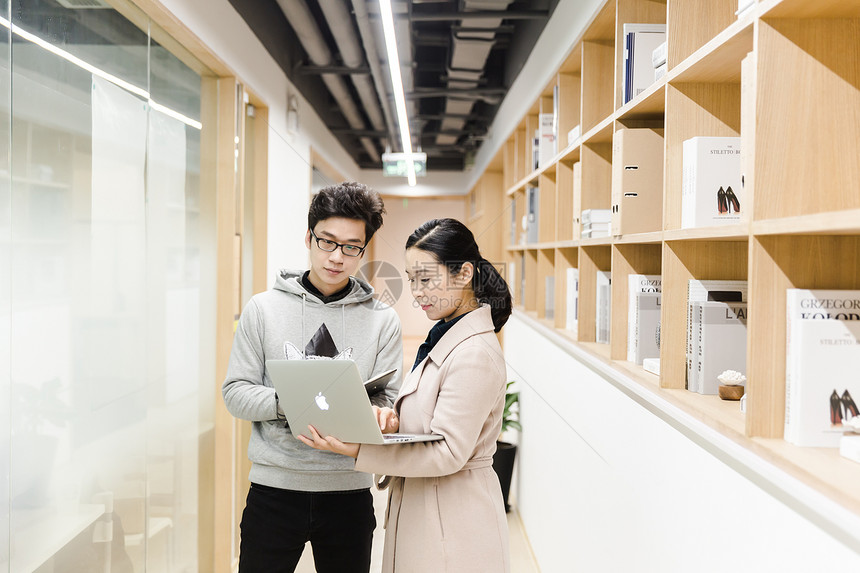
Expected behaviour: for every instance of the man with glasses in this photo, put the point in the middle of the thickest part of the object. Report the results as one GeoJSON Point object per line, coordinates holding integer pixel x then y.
{"type": "Point", "coordinates": [299, 494]}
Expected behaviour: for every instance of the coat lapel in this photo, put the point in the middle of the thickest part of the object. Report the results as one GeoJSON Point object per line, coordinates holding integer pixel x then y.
{"type": "Point", "coordinates": [476, 322]}
{"type": "Point", "coordinates": [410, 384]}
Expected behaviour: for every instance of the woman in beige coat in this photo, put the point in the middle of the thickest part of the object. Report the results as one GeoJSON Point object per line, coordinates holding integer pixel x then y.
{"type": "Point", "coordinates": [445, 510]}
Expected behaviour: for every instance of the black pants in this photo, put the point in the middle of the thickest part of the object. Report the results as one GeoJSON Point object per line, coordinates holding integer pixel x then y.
{"type": "Point", "coordinates": [277, 523]}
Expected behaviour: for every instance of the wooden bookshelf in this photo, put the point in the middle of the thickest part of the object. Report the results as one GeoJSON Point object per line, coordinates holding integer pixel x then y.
{"type": "Point", "coordinates": [785, 78]}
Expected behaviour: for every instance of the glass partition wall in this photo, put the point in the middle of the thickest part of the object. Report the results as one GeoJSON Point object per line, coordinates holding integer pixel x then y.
{"type": "Point", "coordinates": [106, 308]}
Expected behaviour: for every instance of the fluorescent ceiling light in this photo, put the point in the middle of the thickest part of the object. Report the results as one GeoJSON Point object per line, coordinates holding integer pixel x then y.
{"type": "Point", "coordinates": [100, 73]}
{"type": "Point", "coordinates": [397, 86]}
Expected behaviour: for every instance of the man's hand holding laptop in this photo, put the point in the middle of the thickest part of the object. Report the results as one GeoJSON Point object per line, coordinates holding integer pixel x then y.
{"type": "Point", "coordinates": [388, 422]}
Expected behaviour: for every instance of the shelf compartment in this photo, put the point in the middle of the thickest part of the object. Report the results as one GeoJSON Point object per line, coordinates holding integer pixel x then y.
{"type": "Point", "coordinates": [530, 179]}
{"type": "Point", "coordinates": [509, 177]}
{"type": "Point", "coordinates": [521, 146]}
{"type": "Point", "coordinates": [547, 211]}
{"type": "Point", "coordinates": [596, 164]}
{"type": "Point", "coordinates": [530, 264]}
{"type": "Point", "coordinates": [600, 133]}
{"type": "Point", "coordinates": [516, 205]}
{"type": "Point", "coordinates": [694, 109]}
{"type": "Point", "coordinates": [650, 105]}
{"type": "Point", "coordinates": [632, 12]}
{"type": "Point", "coordinates": [598, 59]}
{"type": "Point", "coordinates": [640, 238]}
{"type": "Point", "coordinates": [807, 122]}
{"type": "Point", "coordinates": [596, 242]}
{"type": "Point", "coordinates": [626, 260]}
{"type": "Point", "coordinates": [591, 260]}
{"type": "Point", "coordinates": [532, 124]}
{"type": "Point", "coordinates": [719, 60]}
{"type": "Point", "coordinates": [564, 202]}
{"type": "Point", "coordinates": [807, 9]}
{"type": "Point", "coordinates": [777, 263]}
{"type": "Point", "coordinates": [545, 270]}
{"type": "Point", "coordinates": [830, 223]}
{"type": "Point", "coordinates": [491, 224]}
{"type": "Point", "coordinates": [570, 154]}
{"type": "Point", "coordinates": [565, 258]}
{"type": "Point", "coordinates": [690, 24]}
{"type": "Point", "coordinates": [682, 261]}
{"type": "Point", "coordinates": [569, 80]}
{"type": "Point", "coordinates": [720, 233]}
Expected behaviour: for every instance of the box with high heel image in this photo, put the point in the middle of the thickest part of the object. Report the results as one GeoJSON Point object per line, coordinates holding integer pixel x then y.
{"type": "Point", "coordinates": [711, 192]}
{"type": "Point", "coordinates": [822, 368]}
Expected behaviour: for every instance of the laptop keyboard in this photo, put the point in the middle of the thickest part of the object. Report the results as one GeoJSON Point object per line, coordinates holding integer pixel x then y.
{"type": "Point", "coordinates": [397, 437]}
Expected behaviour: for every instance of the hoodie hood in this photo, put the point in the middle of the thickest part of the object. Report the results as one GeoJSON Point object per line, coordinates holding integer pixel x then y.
{"type": "Point", "coordinates": [290, 281]}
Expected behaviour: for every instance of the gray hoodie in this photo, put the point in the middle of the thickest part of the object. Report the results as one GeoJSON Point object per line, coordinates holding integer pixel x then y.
{"type": "Point", "coordinates": [290, 313]}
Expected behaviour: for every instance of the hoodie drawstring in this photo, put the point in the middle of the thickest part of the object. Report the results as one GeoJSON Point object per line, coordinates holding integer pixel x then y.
{"type": "Point", "coordinates": [304, 300]}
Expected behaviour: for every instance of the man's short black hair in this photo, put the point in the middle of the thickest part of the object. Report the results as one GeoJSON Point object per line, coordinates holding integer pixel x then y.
{"type": "Point", "coordinates": [349, 200]}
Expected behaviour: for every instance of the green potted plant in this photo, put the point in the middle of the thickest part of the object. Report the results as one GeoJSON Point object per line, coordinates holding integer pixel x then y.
{"type": "Point", "coordinates": [506, 452]}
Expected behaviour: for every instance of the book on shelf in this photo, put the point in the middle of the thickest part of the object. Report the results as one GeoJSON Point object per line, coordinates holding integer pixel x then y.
{"type": "Point", "coordinates": [577, 194]}
{"type": "Point", "coordinates": [702, 291]}
{"type": "Point", "coordinates": [603, 306]}
{"type": "Point", "coordinates": [849, 447]}
{"type": "Point", "coordinates": [660, 55]}
{"type": "Point", "coordinates": [596, 223]}
{"type": "Point", "coordinates": [572, 308]}
{"type": "Point", "coordinates": [711, 189]}
{"type": "Point", "coordinates": [640, 40]}
{"type": "Point", "coordinates": [546, 147]}
{"type": "Point", "coordinates": [513, 222]}
{"type": "Point", "coordinates": [720, 342]}
{"type": "Point", "coordinates": [590, 216]}
{"type": "Point", "coordinates": [646, 332]}
{"type": "Point", "coordinates": [652, 365]}
{"type": "Point", "coordinates": [660, 71]}
{"type": "Point", "coordinates": [588, 233]}
{"type": "Point", "coordinates": [549, 298]}
{"type": "Point", "coordinates": [822, 352]}
{"type": "Point", "coordinates": [643, 317]}
{"type": "Point", "coordinates": [555, 134]}
{"type": "Point", "coordinates": [536, 150]}
{"type": "Point", "coordinates": [532, 214]}
{"type": "Point", "coordinates": [637, 181]}
{"type": "Point", "coordinates": [522, 278]}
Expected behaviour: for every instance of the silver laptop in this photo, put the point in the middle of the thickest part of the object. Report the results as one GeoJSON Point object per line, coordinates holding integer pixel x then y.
{"type": "Point", "coordinates": [330, 396]}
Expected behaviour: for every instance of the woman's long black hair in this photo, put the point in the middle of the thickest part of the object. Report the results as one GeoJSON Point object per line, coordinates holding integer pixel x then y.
{"type": "Point", "coordinates": [453, 244]}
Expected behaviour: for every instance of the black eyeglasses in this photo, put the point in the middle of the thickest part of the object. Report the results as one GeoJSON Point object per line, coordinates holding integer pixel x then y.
{"type": "Point", "coordinates": [331, 246]}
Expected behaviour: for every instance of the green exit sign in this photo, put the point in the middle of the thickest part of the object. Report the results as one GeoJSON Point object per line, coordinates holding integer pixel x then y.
{"type": "Point", "coordinates": [394, 164]}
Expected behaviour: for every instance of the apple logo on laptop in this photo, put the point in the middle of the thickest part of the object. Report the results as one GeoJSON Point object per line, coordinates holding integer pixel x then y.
{"type": "Point", "coordinates": [321, 402]}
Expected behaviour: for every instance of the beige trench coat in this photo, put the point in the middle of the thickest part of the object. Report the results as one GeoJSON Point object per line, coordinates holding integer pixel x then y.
{"type": "Point", "coordinates": [445, 512]}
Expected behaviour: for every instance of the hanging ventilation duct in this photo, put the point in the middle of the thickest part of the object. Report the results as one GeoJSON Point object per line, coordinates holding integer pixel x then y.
{"type": "Point", "coordinates": [302, 21]}
{"type": "Point", "coordinates": [468, 57]}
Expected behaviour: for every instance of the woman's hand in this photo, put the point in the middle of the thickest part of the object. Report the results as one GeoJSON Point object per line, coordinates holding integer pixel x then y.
{"type": "Point", "coordinates": [387, 419]}
{"type": "Point", "coordinates": [329, 443]}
